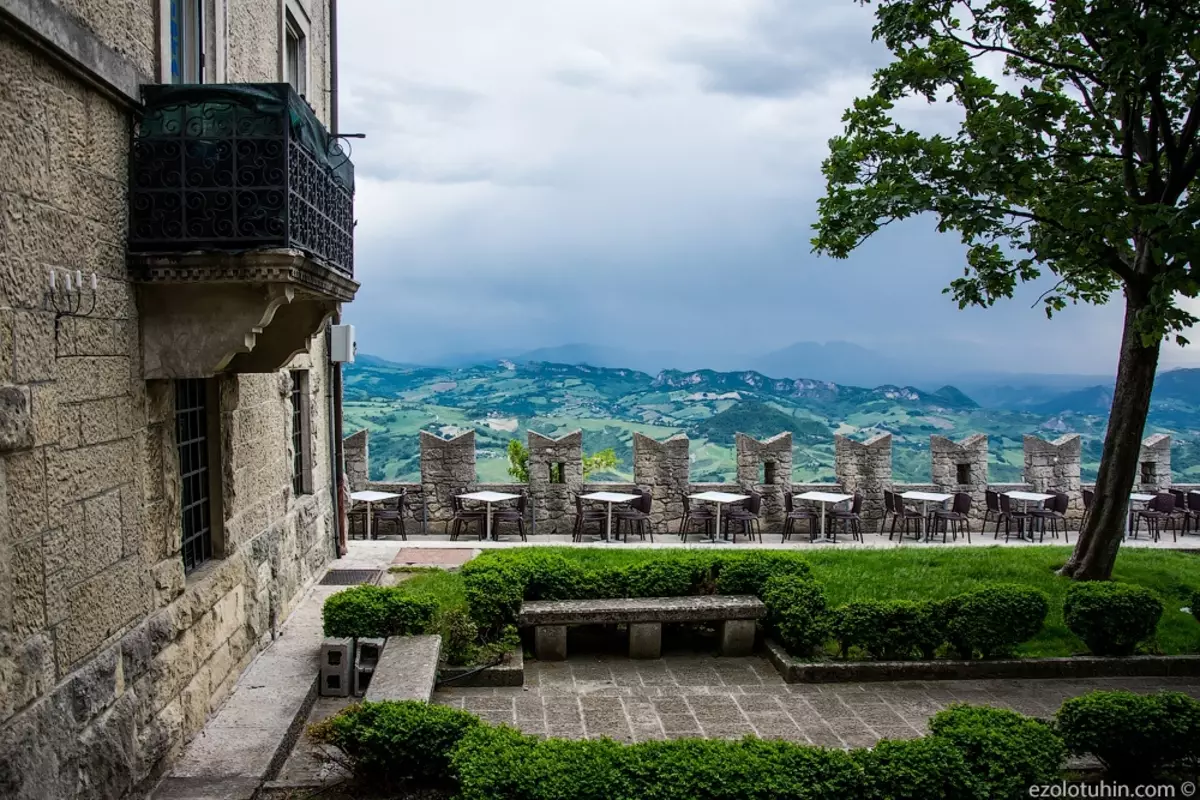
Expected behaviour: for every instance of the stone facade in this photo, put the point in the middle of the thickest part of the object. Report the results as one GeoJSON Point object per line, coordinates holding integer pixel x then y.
{"type": "Point", "coordinates": [447, 468]}
{"type": "Point", "coordinates": [356, 458]}
{"type": "Point", "coordinates": [961, 467]}
{"type": "Point", "coordinates": [765, 467]}
{"type": "Point", "coordinates": [111, 657]}
{"type": "Point", "coordinates": [1053, 466]}
{"type": "Point", "coordinates": [662, 469]}
{"type": "Point", "coordinates": [1154, 464]}
{"type": "Point", "coordinates": [555, 477]}
{"type": "Point", "coordinates": [865, 467]}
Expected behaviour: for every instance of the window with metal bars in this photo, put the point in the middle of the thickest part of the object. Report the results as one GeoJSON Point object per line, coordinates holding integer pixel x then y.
{"type": "Point", "coordinates": [191, 437]}
{"type": "Point", "coordinates": [301, 471]}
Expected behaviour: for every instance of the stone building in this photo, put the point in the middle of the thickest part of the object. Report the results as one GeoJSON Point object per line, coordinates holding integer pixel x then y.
{"type": "Point", "coordinates": [167, 403]}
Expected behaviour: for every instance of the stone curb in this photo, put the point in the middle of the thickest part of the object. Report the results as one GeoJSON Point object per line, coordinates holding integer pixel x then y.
{"type": "Point", "coordinates": [794, 670]}
{"type": "Point", "coordinates": [509, 673]}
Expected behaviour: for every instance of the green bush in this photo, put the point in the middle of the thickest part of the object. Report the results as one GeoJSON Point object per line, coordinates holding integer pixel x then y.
{"type": "Point", "coordinates": [894, 629]}
{"type": "Point", "coordinates": [993, 620]}
{"type": "Point", "coordinates": [1134, 736]}
{"type": "Point", "coordinates": [797, 613]}
{"type": "Point", "coordinates": [931, 628]}
{"type": "Point", "coordinates": [494, 594]}
{"type": "Point", "coordinates": [376, 611]}
{"type": "Point", "coordinates": [748, 573]}
{"type": "Point", "coordinates": [668, 577]}
{"type": "Point", "coordinates": [393, 742]}
{"type": "Point", "coordinates": [1111, 618]}
{"type": "Point", "coordinates": [1005, 751]}
{"type": "Point", "coordinates": [918, 769]}
{"type": "Point", "coordinates": [549, 576]}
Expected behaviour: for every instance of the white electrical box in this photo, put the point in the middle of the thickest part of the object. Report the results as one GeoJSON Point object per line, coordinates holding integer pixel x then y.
{"type": "Point", "coordinates": [342, 344]}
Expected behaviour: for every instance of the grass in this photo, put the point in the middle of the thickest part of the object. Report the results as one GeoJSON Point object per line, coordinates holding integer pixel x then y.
{"type": "Point", "coordinates": [445, 588]}
{"type": "Point", "coordinates": [934, 573]}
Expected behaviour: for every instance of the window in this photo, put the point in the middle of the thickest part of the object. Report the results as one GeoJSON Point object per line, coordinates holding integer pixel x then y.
{"type": "Point", "coordinates": [963, 473]}
{"type": "Point", "coordinates": [768, 473]}
{"type": "Point", "coordinates": [186, 38]}
{"type": "Point", "coordinates": [1149, 472]}
{"type": "Point", "coordinates": [301, 450]}
{"type": "Point", "coordinates": [295, 54]}
{"type": "Point", "coordinates": [558, 472]}
{"type": "Point", "coordinates": [191, 440]}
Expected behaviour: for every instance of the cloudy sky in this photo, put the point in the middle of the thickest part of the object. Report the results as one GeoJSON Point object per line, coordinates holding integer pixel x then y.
{"type": "Point", "coordinates": [641, 173]}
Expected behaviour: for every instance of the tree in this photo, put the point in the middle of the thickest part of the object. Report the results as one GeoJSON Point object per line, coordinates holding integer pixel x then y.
{"type": "Point", "coordinates": [518, 463]}
{"type": "Point", "coordinates": [600, 461]}
{"type": "Point", "coordinates": [1080, 161]}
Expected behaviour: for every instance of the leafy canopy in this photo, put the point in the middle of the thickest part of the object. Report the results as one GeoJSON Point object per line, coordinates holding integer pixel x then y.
{"type": "Point", "coordinates": [1075, 150]}
{"type": "Point", "coordinates": [518, 463]}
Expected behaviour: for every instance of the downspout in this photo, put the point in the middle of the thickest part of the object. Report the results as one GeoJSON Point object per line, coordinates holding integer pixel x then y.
{"type": "Point", "coordinates": [335, 368]}
{"type": "Point", "coordinates": [335, 480]}
{"type": "Point", "coordinates": [333, 68]}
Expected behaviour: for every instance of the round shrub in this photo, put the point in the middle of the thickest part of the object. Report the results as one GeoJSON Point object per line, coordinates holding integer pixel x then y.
{"type": "Point", "coordinates": [393, 742]}
{"type": "Point", "coordinates": [994, 620]}
{"type": "Point", "coordinates": [376, 611]}
{"type": "Point", "coordinates": [1134, 736]}
{"type": "Point", "coordinates": [549, 576]}
{"type": "Point", "coordinates": [491, 762]}
{"type": "Point", "coordinates": [748, 573]}
{"type": "Point", "coordinates": [1005, 751]}
{"type": "Point", "coordinates": [667, 577]}
{"type": "Point", "coordinates": [797, 613]}
{"type": "Point", "coordinates": [885, 629]}
{"type": "Point", "coordinates": [494, 594]}
{"type": "Point", "coordinates": [918, 769]}
{"type": "Point", "coordinates": [1111, 618]}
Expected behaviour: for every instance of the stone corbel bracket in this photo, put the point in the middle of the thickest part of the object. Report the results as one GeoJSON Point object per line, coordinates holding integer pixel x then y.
{"type": "Point", "coordinates": [205, 313]}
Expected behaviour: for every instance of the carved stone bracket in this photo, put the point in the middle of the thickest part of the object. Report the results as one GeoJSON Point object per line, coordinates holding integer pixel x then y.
{"type": "Point", "coordinates": [204, 313]}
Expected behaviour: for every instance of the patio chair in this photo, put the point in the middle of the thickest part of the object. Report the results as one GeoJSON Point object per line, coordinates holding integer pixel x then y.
{"type": "Point", "coordinates": [390, 515]}
{"type": "Point", "coordinates": [1089, 498]}
{"type": "Point", "coordinates": [463, 519]}
{"type": "Point", "coordinates": [792, 514]}
{"type": "Point", "coordinates": [906, 517]}
{"type": "Point", "coordinates": [1008, 516]}
{"type": "Point", "coordinates": [1182, 510]}
{"type": "Point", "coordinates": [1193, 504]}
{"type": "Point", "coordinates": [745, 515]}
{"type": "Point", "coordinates": [1159, 511]}
{"type": "Point", "coordinates": [635, 516]}
{"type": "Point", "coordinates": [851, 519]}
{"type": "Point", "coordinates": [991, 510]}
{"type": "Point", "coordinates": [356, 517]}
{"type": "Point", "coordinates": [955, 521]}
{"type": "Point", "coordinates": [1053, 513]}
{"type": "Point", "coordinates": [704, 517]}
{"type": "Point", "coordinates": [583, 516]}
{"type": "Point", "coordinates": [511, 514]}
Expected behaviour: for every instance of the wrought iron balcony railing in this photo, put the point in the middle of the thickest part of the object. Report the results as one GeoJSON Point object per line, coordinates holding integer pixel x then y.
{"type": "Point", "coordinates": [236, 167]}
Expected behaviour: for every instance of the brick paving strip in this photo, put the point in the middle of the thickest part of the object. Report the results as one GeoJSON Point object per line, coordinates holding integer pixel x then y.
{"type": "Point", "coordinates": [688, 696]}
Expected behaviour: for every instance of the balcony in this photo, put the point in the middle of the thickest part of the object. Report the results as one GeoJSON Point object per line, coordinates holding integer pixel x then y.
{"type": "Point", "coordinates": [241, 227]}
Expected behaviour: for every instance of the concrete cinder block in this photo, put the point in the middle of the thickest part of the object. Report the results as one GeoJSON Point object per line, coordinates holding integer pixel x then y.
{"type": "Point", "coordinates": [366, 657]}
{"type": "Point", "coordinates": [337, 666]}
{"type": "Point", "coordinates": [645, 639]}
{"type": "Point", "coordinates": [550, 642]}
{"type": "Point", "coordinates": [737, 637]}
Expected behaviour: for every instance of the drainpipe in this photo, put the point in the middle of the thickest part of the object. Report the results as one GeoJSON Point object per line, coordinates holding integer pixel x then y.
{"type": "Point", "coordinates": [335, 437]}
{"type": "Point", "coordinates": [333, 68]}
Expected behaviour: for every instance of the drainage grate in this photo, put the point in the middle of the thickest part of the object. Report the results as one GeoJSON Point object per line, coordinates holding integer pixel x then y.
{"type": "Point", "coordinates": [350, 577]}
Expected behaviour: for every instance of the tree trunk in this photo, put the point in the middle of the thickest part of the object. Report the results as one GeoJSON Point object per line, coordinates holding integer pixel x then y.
{"type": "Point", "coordinates": [1096, 549]}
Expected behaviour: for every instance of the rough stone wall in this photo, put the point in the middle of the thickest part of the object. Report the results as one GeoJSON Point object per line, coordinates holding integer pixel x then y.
{"type": "Point", "coordinates": [1154, 464]}
{"type": "Point", "coordinates": [1053, 466]}
{"type": "Point", "coordinates": [662, 468]}
{"type": "Point", "coordinates": [356, 456]}
{"type": "Point", "coordinates": [127, 27]}
{"type": "Point", "coordinates": [553, 503]}
{"type": "Point", "coordinates": [754, 459]}
{"type": "Point", "coordinates": [947, 456]}
{"type": "Point", "coordinates": [447, 468]}
{"type": "Point", "coordinates": [253, 40]}
{"type": "Point", "coordinates": [110, 657]}
{"type": "Point", "coordinates": [865, 467]}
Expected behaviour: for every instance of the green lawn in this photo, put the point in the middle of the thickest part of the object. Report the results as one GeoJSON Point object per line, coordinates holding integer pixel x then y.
{"type": "Point", "coordinates": [932, 573]}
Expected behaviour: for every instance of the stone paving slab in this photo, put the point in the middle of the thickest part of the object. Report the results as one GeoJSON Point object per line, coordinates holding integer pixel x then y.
{"type": "Point", "coordinates": [433, 556]}
{"type": "Point", "coordinates": [713, 697]}
{"type": "Point", "coordinates": [407, 669]}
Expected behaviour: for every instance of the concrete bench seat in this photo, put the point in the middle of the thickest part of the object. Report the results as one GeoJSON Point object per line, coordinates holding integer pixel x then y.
{"type": "Point", "coordinates": [645, 616]}
{"type": "Point", "coordinates": [406, 670]}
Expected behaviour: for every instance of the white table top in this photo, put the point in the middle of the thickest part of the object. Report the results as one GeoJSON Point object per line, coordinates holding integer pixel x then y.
{"type": "Point", "coordinates": [825, 497]}
{"type": "Point", "coordinates": [927, 497]}
{"type": "Point", "coordinates": [1138, 497]}
{"type": "Point", "coordinates": [488, 497]}
{"type": "Point", "coordinates": [1030, 497]}
{"type": "Point", "coordinates": [610, 497]}
{"type": "Point", "coordinates": [719, 497]}
{"type": "Point", "coordinates": [372, 497]}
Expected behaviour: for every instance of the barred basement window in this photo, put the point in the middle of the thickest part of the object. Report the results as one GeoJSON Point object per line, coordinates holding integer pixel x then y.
{"type": "Point", "coordinates": [301, 449]}
{"type": "Point", "coordinates": [191, 438]}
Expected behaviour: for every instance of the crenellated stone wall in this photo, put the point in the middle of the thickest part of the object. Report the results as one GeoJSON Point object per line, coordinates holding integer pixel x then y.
{"type": "Point", "coordinates": [662, 468]}
{"type": "Point", "coordinates": [356, 455]}
{"type": "Point", "coordinates": [1154, 464]}
{"type": "Point", "coordinates": [865, 467]}
{"type": "Point", "coordinates": [961, 467]}
{"type": "Point", "coordinates": [447, 468]}
{"type": "Point", "coordinates": [1053, 466]}
{"type": "Point", "coordinates": [553, 500]}
{"type": "Point", "coordinates": [765, 467]}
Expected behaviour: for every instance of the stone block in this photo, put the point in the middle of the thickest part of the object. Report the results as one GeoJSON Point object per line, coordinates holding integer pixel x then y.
{"type": "Point", "coordinates": [26, 672]}
{"type": "Point", "coordinates": [550, 642]}
{"type": "Point", "coordinates": [34, 349]}
{"type": "Point", "coordinates": [88, 471]}
{"type": "Point", "coordinates": [6, 319]}
{"type": "Point", "coordinates": [737, 637]}
{"type": "Point", "coordinates": [136, 653]}
{"type": "Point", "coordinates": [97, 608]}
{"type": "Point", "coordinates": [44, 410]}
{"type": "Point", "coordinates": [28, 589]}
{"type": "Point", "coordinates": [337, 667]}
{"type": "Point", "coordinates": [94, 687]}
{"type": "Point", "coordinates": [25, 477]}
{"type": "Point", "coordinates": [16, 419]}
{"type": "Point", "coordinates": [407, 669]}
{"type": "Point", "coordinates": [645, 640]}
{"type": "Point", "coordinates": [93, 377]}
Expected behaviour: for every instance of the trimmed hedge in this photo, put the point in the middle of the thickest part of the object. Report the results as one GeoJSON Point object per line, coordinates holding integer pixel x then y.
{"type": "Point", "coordinates": [1134, 736]}
{"type": "Point", "coordinates": [1112, 618]}
{"type": "Point", "coordinates": [797, 614]}
{"type": "Point", "coordinates": [890, 630]}
{"type": "Point", "coordinates": [1005, 751]}
{"type": "Point", "coordinates": [1194, 605]}
{"type": "Point", "coordinates": [993, 620]}
{"type": "Point", "coordinates": [393, 742]}
{"type": "Point", "coordinates": [748, 573]}
{"type": "Point", "coordinates": [376, 611]}
{"type": "Point", "coordinates": [919, 769]}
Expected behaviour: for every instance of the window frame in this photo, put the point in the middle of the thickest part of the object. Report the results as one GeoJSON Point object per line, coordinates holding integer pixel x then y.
{"type": "Point", "coordinates": [294, 23]}
{"type": "Point", "coordinates": [184, 29]}
{"type": "Point", "coordinates": [300, 398]}
{"type": "Point", "coordinates": [198, 470]}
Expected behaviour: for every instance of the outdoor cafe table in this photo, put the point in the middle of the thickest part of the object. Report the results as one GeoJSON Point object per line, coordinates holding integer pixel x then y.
{"type": "Point", "coordinates": [824, 498]}
{"type": "Point", "coordinates": [1026, 498]}
{"type": "Point", "coordinates": [370, 497]}
{"type": "Point", "coordinates": [924, 498]}
{"type": "Point", "coordinates": [489, 498]}
{"type": "Point", "coordinates": [718, 499]}
{"type": "Point", "coordinates": [609, 499]}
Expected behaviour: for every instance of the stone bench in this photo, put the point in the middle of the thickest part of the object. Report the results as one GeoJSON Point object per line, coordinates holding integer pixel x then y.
{"type": "Point", "coordinates": [406, 670]}
{"type": "Point", "coordinates": [645, 617]}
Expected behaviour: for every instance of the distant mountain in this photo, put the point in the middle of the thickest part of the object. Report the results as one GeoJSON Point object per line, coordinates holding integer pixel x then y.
{"type": "Point", "coordinates": [1092, 400]}
{"type": "Point", "coordinates": [648, 361]}
{"type": "Point", "coordinates": [760, 421]}
{"type": "Point", "coordinates": [838, 362]}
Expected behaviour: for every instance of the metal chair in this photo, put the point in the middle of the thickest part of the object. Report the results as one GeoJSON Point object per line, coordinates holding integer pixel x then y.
{"type": "Point", "coordinates": [905, 516]}
{"type": "Point", "coordinates": [1089, 499]}
{"type": "Point", "coordinates": [1008, 516]}
{"type": "Point", "coordinates": [792, 514]}
{"type": "Point", "coordinates": [851, 519]}
{"type": "Point", "coordinates": [745, 515]}
{"type": "Point", "coordinates": [463, 519]}
{"type": "Point", "coordinates": [1053, 513]}
{"type": "Point", "coordinates": [1159, 511]}
{"type": "Point", "coordinates": [585, 515]}
{"type": "Point", "coordinates": [1182, 510]}
{"type": "Point", "coordinates": [701, 516]}
{"type": "Point", "coordinates": [636, 516]}
{"type": "Point", "coordinates": [991, 510]}
{"type": "Point", "coordinates": [390, 515]}
{"type": "Point", "coordinates": [356, 517]}
{"type": "Point", "coordinates": [955, 521]}
{"type": "Point", "coordinates": [511, 514]}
